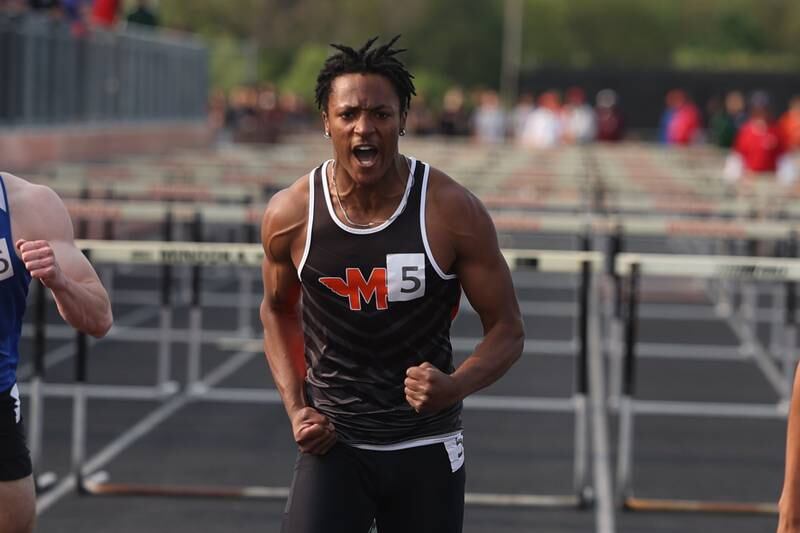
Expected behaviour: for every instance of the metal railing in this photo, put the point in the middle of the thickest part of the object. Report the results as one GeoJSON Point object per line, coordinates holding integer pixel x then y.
{"type": "Point", "coordinates": [50, 76]}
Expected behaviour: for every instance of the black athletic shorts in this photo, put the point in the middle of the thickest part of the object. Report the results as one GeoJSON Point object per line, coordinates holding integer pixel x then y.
{"type": "Point", "coordinates": [15, 459]}
{"type": "Point", "coordinates": [414, 490]}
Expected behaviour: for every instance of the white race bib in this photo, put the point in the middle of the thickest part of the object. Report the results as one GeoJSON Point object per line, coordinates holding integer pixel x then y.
{"type": "Point", "coordinates": [15, 397]}
{"type": "Point", "coordinates": [6, 266]}
{"type": "Point", "coordinates": [405, 276]}
{"type": "Point", "coordinates": [455, 451]}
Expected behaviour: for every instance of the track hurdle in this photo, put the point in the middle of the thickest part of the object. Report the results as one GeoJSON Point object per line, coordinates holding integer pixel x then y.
{"type": "Point", "coordinates": [633, 267]}
{"type": "Point", "coordinates": [218, 254]}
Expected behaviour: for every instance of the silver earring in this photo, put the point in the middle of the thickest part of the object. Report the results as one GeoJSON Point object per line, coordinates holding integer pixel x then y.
{"type": "Point", "coordinates": [403, 132]}
{"type": "Point", "coordinates": [327, 135]}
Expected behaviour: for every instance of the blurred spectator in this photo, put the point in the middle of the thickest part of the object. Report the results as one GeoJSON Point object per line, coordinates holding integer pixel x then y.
{"type": "Point", "coordinates": [77, 13]}
{"type": "Point", "coordinates": [724, 124]}
{"type": "Point", "coordinates": [577, 118]}
{"type": "Point", "coordinates": [758, 147]}
{"type": "Point", "coordinates": [543, 127]}
{"type": "Point", "coordinates": [671, 103]}
{"type": "Point", "coordinates": [610, 121]}
{"type": "Point", "coordinates": [296, 116]}
{"type": "Point", "coordinates": [454, 119]}
{"type": "Point", "coordinates": [269, 114]}
{"type": "Point", "coordinates": [13, 8]}
{"type": "Point", "coordinates": [420, 120]}
{"type": "Point", "coordinates": [105, 13]}
{"type": "Point", "coordinates": [789, 125]}
{"type": "Point", "coordinates": [758, 141]}
{"type": "Point", "coordinates": [684, 124]}
{"type": "Point", "coordinates": [519, 115]}
{"type": "Point", "coordinates": [142, 15]}
{"type": "Point", "coordinates": [241, 113]}
{"type": "Point", "coordinates": [489, 118]}
{"type": "Point", "coordinates": [254, 115]}
{"type": "Point", "coordinates": [50, 6]}
{"type": "Point", "coordinates": [217, 112]}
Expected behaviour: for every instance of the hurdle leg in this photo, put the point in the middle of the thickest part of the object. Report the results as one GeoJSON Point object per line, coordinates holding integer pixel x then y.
{"type": "Point", "coordinates": [748, 312]}
{"type": "Point", "coordinates": [581, 448]}
{"type": "Point", "coordinates": [625, 443]}
{"type": "Point", "coordinates": [36, 398]}
{"type": "Point", "coordinates": [624, 449]}
{"type": "Point", "coordinates": [789, 359]}
{"type": "Point", "coordinates": [79, 414]}
{"type": "Point", "coordinates": [245, 311]}
{"type": "Point", "coordinates": [193, 364]}
{"type": "Point", "coordinates": [776, 333]}
{"type": "Point", "coordinates": [164, 370]}
{"type": "Point", "coordinates": [615, 357]}
{"type": "Point", "coordinates": [581, 460]}
{"type": "Point", "coordinates": [790, 339]}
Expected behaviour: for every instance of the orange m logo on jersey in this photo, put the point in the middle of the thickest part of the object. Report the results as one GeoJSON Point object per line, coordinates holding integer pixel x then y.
{"type": "Point", "coordinates": [354, 287]}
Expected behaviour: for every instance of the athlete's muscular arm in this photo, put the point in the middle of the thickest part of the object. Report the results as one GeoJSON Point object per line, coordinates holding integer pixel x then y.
{"type": "Point", "coordinates": [282, 236]}
{"type": "Point", "coordinates": [789, 505]}
{"type": "Point", "coordinates": [463, 239]}
{"type": "Point", "coordinates": [46, 245]}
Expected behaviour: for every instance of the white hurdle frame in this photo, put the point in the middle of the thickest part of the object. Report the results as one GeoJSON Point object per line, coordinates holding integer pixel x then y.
{"type": "Point", "coordinates": [633, 267]}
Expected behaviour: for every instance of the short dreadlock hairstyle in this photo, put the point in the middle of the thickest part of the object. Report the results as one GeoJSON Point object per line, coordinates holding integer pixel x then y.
{"type": "Point", "coordinates": [380, 60]}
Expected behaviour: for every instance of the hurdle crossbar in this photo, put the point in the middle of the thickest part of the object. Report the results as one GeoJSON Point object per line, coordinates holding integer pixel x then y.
{"type": "Point", "coordinates": [698, 506]}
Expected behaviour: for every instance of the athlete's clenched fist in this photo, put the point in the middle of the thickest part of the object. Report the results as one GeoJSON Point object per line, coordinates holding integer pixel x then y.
{"type": "Point", "coordinates": [40, 261]}
{"type": "Point", "coordinates": [428, 389]}
{"type": "Point", "coordinates": [313, 432]}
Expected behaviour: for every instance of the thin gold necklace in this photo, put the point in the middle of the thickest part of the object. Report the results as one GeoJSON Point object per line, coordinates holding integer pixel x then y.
{"type": "Point", "coordinates": [344, 211]}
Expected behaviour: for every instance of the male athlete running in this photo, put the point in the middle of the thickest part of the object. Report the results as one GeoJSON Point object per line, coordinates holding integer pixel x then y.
{"type": "Point", "coordinates": [366, 258]}
{"type": "Point", "coordinates": [36, 241]}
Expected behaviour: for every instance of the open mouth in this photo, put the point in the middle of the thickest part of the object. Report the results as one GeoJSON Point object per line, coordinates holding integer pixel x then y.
{"type": "Point", "coordinates": [365, 153]}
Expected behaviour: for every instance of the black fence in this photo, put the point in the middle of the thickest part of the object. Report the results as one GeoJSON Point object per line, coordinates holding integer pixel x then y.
{"type": "Point", "coordinates": [49, 76]}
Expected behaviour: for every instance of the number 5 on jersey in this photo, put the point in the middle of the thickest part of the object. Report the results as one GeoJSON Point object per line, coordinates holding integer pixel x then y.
{"type": "Point", "coordinates": [402, 280]}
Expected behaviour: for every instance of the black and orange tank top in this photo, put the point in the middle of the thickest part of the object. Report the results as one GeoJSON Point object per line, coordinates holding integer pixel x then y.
{"type": "Point", "coordinates": [375, 303]}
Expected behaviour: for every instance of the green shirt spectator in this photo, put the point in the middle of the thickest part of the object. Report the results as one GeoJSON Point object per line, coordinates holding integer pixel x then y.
{"type": "Point", "coordinates": [142, 15]}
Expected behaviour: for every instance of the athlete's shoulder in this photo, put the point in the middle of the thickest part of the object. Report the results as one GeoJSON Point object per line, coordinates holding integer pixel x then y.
{"type": "Point", "coordinates": [23, 190]}
{"type": "Point", "coordinates": [16, 188]}
{"type": "Point", "coordinates": [291, 203]}
{"type": "Point", "coordinates": [286, 214]}
{"type": "Point", "coordinates": [36, 209]}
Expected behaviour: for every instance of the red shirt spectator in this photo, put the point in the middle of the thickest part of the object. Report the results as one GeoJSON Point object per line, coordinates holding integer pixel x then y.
{"type": "Point", "coordinates": [105, 12]}
{"type": "Point", "coordinates": [683, 127]}
{"type": "Point", "coordinates": [759, 144]}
